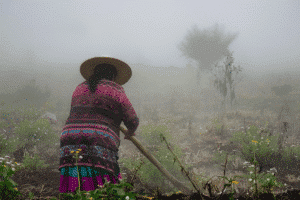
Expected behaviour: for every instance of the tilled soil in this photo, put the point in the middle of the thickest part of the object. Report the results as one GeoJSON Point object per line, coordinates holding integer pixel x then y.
{"type": "Point", "coordinates": [42, 182]}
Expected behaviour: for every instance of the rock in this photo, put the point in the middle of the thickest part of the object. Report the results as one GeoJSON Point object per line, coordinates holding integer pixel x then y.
{"type": "Point", "coordinates": [50, 116]}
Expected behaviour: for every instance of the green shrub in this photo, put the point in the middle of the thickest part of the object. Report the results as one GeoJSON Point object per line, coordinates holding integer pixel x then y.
{"type": "Point", "coordinates": [8, 188]}
{"type": "Point", "coordinates": [219, 126]}
{"type": "Point", "coordinates": [254, 148]}
{"type": "Point", "coordinates": [251, 142]}
{"type": "Point", "coordinates": [28, 130]}
{"type": "Point", "coordinates": [33, 163]}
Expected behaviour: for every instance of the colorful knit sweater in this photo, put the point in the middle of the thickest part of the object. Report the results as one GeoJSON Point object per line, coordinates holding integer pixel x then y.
{"type": "Point", "coordinates": [93, 121]}
{"type": "Point", "coordinates": [109, 105]}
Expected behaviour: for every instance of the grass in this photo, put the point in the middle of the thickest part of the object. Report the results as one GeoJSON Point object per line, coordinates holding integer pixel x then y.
{"type": "Point", "coordinates": [258, 184]}
{"type": "Point", "coordinates": [109, 191]}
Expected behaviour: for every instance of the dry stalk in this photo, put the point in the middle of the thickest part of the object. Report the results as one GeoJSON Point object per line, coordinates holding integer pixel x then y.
{"type": "Point", "coordinates": [136, 170]}
{"type": "Point", "coordinates": [42, 189]}
{"type": "Point", "coordinates": [182, 168]}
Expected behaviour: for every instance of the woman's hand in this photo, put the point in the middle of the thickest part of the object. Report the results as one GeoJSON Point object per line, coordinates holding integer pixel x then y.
{"type": "Point", "coordinates": [128, 134]}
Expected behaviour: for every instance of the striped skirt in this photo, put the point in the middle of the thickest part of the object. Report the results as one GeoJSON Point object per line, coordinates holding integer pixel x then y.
{"type": "Point", "coordinates": [97, 147]}
{"type": "Point", "coordinates": [90, 178]}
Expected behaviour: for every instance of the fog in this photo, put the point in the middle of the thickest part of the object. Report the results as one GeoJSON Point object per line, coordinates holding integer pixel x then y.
{"type": "Point", "coordinates": [48, 40]}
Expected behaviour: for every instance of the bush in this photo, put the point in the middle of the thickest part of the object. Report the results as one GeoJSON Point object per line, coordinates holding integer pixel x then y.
{"type": "Point", "coordinates": [25, 125]}
{"type": "Point", "coordinates": [33, 163]}
{"type": "Point", "coordinates": [8, 188]}
{"type": "Point", "coordinates": [264, 148]}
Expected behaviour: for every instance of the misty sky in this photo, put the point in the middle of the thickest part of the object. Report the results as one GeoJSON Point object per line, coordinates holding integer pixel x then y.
{"type": "Point", "coordinates": [71, 31]}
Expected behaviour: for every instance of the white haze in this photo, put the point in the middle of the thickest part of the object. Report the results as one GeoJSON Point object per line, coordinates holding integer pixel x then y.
{"type": "Point", "coordinates": [48, 40]}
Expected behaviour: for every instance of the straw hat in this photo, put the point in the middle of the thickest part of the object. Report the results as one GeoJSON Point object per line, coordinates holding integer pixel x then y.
{"type": "Point", "coordinates": [124, 71]}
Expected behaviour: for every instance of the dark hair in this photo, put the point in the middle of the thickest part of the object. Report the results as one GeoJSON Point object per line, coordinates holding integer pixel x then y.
{"type": "Point", "coordinates": [102, 71]}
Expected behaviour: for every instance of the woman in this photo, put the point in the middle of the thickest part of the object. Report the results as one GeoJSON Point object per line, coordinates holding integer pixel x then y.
{"type": "Point", "coordinates": [98, 107]}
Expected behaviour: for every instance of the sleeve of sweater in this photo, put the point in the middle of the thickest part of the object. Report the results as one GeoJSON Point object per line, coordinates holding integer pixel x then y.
{"type": "Point", "coordinates": [130, 117]}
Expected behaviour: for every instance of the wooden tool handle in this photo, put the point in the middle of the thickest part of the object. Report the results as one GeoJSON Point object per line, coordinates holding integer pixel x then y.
{"type": "Point", "coordinates": [154, 161]}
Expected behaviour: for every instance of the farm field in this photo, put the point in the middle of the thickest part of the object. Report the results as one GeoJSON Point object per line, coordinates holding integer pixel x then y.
{"type": "Point", "coordinates": [199, 142]}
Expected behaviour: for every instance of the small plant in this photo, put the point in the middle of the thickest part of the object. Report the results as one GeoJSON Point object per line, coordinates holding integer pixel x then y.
{"type": "Point", "coordinates": [33, 163]}
{"type": "Point", "coordinates": [262, 148]}
{"type": "Point", "coordinates": [8, 188]}
{"type": "Point", "coordinates": [267, 181]}
{"type": "Point", "coordinates": [219, 126]}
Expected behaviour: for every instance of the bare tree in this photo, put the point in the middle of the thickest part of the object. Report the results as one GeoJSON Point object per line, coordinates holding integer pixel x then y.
{"type": "Point", "coordinates": [227, 79]}
{"type": "Point", "coordinates": [206, 47]}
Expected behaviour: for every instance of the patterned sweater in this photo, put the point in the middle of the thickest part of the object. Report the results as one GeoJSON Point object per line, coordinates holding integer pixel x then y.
{"type": "Point", "coordinates": [109, 106]}
{"type": "Point", "coordinates": [93, 122]}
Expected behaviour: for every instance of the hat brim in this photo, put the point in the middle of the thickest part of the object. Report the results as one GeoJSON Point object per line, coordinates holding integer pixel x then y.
{"type": "Point", "coordinates": [124, 71]}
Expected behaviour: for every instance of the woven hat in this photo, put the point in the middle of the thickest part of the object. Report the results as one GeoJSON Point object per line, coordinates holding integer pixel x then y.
{"type": "Point", "coordinates": [124, 71]}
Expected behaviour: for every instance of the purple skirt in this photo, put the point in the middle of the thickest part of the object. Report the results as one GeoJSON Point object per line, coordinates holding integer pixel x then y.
{"type": "Point", "coordinates": [90, 178]}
